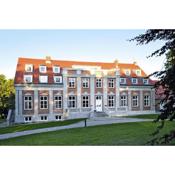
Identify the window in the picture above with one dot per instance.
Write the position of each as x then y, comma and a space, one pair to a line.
127, 72
28, 119
72, 101
98, 82
146, 100
123, 100
138, 72
58, 102
43, 69
123, 80
85, 101
58, 79
28, 78
71, 82
85, 82
56, 69
135, 100
145, 81
43, 79
44, 118
28, 103
134, 80
111, 83
58, 117
43, 102
111, 99
29, 68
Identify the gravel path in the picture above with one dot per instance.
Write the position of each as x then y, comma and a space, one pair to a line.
90, 122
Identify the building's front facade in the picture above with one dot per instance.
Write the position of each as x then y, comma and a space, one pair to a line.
50, 90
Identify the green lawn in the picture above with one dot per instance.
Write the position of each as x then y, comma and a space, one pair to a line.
24, 127
145, 116
115, 134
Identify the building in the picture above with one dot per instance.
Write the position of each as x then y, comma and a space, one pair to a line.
49, 90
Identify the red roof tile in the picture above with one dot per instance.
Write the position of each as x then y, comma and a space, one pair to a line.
20, 70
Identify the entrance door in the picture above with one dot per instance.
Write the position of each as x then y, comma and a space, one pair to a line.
98, 103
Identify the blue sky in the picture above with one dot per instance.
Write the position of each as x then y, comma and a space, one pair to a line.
84, 45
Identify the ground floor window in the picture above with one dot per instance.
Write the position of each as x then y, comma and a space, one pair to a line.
123, 100
111, 99
58, 102
146, 100
85, 101
28, 102
58, 117
44, 118
28, 119
135, 100
72, 101
43, 102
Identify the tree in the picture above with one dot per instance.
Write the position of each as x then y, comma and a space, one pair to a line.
7, 95
166, 77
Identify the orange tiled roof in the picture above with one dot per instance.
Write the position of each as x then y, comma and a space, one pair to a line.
20, 70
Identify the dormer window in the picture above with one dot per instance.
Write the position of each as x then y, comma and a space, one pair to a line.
145, 81
43, 79
127, 72
43, 69
138, 72
56, 69
58, 79
29, 68
123, 80
28, 78
134, 81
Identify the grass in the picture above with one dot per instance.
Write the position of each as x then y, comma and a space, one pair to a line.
137, 133
145, 116
24, 127
2, 120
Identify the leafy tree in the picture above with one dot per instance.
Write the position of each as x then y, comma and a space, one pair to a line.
166, 78
7, 95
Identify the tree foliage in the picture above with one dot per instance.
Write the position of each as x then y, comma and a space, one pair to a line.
7, 95
166, 78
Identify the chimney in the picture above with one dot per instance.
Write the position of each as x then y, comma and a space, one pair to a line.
135, 62
116, 63
48, 59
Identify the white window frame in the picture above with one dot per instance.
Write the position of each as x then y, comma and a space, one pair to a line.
124, 82
85, 101
85, 82
44, 118
56, 69
123, 100
71, 82
28, 76
138, 72
42, 106
135, 101
111, 101
147, 100
41, 67
27, 119
58, 117
129, 72
41, 78
133, 81
111, 82
98, 82
145, 81
70, 101
29, 66
28, 102
58, 77
58, 101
